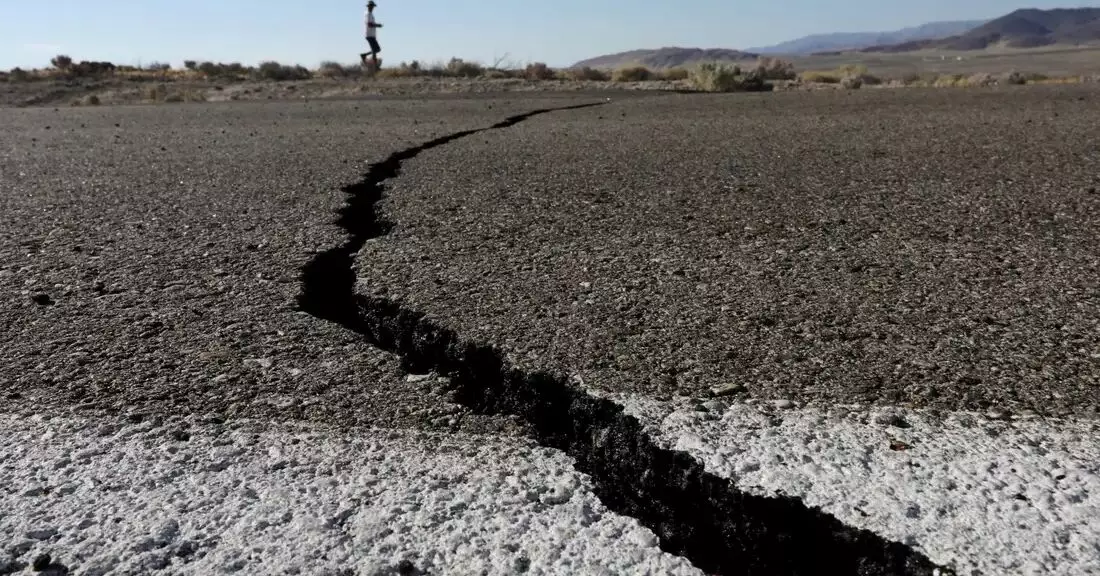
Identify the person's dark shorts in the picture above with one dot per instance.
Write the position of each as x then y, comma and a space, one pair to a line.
374, 47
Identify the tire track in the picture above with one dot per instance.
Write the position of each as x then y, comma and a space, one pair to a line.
696, 514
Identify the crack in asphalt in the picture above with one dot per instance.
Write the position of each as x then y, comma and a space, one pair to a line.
696, 514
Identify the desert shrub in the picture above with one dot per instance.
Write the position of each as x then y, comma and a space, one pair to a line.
675, 74
1015, 78
819, 77
331, 69
18, 75
714, 77
754, 81
463, 69
538, 71
981, 80
61, 62
632, 74
590, 74
190, 65
89, 100
271, 70
855, 76
158, 67
775, 69
498, 74
220, 70
949, 80
911, 78
209, 69
88, 69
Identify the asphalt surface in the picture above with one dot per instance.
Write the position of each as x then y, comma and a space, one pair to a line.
150, 258
929, 248
919, 247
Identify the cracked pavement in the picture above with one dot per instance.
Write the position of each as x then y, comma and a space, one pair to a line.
151, 256
814, 247
915, 247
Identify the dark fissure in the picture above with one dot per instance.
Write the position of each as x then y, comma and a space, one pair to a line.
697, 515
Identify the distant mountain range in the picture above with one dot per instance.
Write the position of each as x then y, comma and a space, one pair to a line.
842, 41
667, 57
1026, 28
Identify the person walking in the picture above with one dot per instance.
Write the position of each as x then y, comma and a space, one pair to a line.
372, 36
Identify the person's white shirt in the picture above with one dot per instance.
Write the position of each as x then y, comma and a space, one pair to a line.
372, 32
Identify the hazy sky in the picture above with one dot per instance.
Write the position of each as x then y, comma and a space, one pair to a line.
556, 32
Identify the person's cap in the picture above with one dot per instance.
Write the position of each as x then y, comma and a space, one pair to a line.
371, 3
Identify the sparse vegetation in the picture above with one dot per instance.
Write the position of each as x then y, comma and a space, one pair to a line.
18, 75
196, 80
632, 74
851, 77
463, 69
539, 71
775, 69
282, 72
61, 62
724, 77
589, 74
334, 70
714, 77
819, 77
675, 74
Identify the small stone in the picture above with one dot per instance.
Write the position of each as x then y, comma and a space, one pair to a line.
42, 299
413, 378
715, 406
784, 404
41, 562
41, 534
406, 568
180, 436
728, 390
997, 414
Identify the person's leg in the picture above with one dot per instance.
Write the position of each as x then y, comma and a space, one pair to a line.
375, 48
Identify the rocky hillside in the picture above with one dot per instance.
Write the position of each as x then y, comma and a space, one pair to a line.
1026, 28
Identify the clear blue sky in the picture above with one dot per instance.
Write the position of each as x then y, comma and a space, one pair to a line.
558, 32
